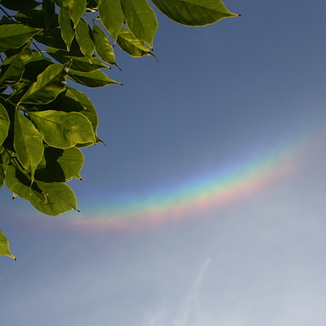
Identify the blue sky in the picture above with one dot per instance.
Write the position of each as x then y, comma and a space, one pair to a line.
219, 97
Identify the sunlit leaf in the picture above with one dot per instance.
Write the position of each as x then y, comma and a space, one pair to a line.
28, 143
130, 44
95, 78
62, 129
2, 171
194, 12
59, 198
4, 246
103, 45
76, 9
51, 198
4, 123
89, 109
111, 15
15, 35
141, 19
67, 31
48, 85
84, 38
20, 184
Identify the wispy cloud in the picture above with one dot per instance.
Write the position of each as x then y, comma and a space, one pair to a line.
189, 312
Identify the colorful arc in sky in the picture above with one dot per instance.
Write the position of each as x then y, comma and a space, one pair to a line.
189, 199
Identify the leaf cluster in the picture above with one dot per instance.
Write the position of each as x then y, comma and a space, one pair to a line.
44, 122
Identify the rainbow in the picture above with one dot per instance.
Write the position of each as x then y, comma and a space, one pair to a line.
189, 199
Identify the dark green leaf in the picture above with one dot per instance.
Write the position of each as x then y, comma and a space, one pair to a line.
36, 18
63, 165
63, 130
84, 38
52, 38
4, 246
67, 31
48, 85
141, 20
35, 66
14, 67
15, 35
79, 61
19, 5
91, 6
194, 12
28, 143
111, 15
103, 45
59, 3
95, 78
129, 43
49, 12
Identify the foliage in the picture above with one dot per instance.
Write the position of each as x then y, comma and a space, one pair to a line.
4, 246
44, 122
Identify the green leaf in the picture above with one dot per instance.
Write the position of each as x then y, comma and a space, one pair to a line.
95, 78
19, 5
4, 162
51, 198
60, 198
194, 12
76, 9
14, 67
4, 246
79, 61
141, 19
63, 130
84, 38
89, 109
59, 3
111, 15
72, 100
36, 18
52, 38
49, 12
19, 183
35, 66
28, 143
63, 165
91, 6
47, 86
103, 46
2, 171
15, 35
130, 44
65, 23
4, 124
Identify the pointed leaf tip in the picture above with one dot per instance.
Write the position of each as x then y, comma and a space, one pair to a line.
4, 246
